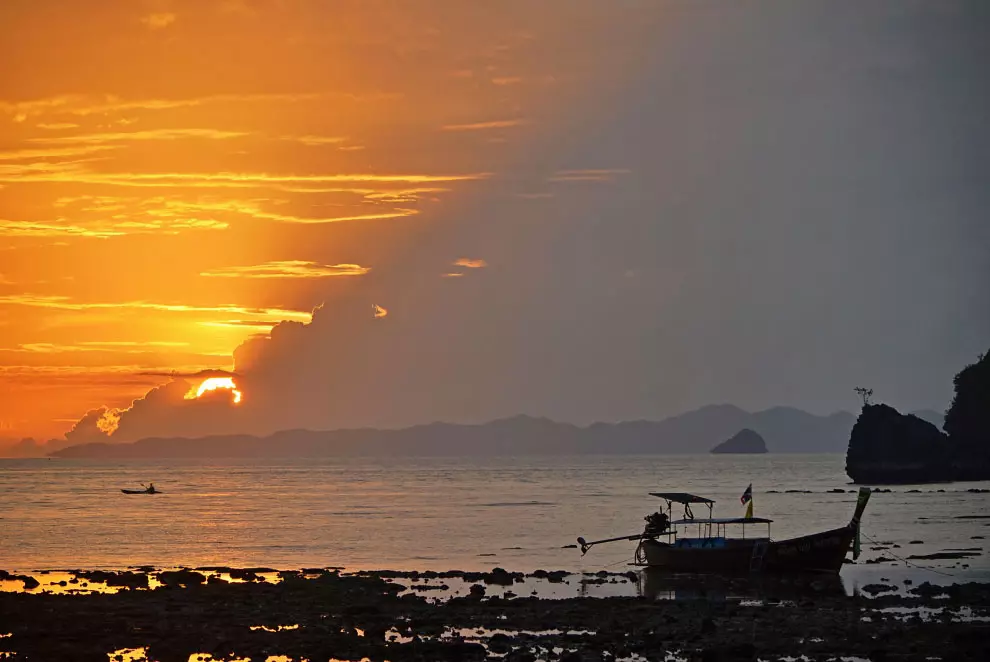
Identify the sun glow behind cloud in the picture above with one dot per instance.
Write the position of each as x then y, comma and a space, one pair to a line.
211, 384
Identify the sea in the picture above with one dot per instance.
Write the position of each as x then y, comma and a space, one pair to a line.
431, 513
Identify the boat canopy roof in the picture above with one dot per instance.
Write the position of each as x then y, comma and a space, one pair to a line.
681, 497
725, 520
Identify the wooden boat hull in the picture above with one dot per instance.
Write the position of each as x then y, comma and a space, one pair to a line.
818, 552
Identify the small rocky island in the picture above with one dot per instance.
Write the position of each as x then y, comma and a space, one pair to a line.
744, 441
888, 447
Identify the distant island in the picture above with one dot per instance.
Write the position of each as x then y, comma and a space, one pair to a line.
744, 441
786, 430
888, 447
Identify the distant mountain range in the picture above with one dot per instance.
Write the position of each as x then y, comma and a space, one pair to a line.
786, 430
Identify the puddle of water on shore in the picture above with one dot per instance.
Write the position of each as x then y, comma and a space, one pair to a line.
69, 583
960, 614
274, 628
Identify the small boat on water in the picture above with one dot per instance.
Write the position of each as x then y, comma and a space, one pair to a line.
150, 489
702, 545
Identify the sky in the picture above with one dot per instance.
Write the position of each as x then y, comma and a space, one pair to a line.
375, 213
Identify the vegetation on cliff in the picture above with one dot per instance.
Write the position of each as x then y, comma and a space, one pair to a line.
967, 422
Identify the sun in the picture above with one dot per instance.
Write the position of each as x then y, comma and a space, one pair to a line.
212, 384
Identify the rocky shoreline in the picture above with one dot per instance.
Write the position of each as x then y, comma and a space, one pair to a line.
321, 614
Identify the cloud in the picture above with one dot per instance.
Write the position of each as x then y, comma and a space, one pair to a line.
53, 229
606, 175
51, 152
103, 229
453, 274
164, 410
470, 263
287, 218
267, 386
117, 346
159, 21
313, 141
84, 105
168, 208
151, 134
484, 126
506, 80
402, 195
288, 269
57, 126
71, 172
65, 303
261, 327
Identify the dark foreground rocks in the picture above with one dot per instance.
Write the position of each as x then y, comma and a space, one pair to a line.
333, 616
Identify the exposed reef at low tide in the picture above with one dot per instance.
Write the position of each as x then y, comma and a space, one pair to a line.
321, 614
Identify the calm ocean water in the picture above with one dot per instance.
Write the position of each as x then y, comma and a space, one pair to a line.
438, 513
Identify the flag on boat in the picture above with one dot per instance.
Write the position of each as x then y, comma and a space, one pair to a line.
747, 495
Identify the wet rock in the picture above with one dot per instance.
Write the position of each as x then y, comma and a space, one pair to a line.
117, 579
874, 589
500, 643
244, 574
501, 577
879, 559
942, 556
181, 578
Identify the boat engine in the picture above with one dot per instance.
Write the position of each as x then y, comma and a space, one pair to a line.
656, 524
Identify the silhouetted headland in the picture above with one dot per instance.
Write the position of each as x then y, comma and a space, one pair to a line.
786, 430
744, 441
888, 447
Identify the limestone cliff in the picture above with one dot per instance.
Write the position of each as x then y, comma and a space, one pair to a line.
889, 447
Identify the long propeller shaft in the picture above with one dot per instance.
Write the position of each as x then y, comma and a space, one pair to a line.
586, 545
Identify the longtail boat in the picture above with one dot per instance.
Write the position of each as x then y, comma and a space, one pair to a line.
702, 545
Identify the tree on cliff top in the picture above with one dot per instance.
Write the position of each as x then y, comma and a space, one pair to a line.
967, 422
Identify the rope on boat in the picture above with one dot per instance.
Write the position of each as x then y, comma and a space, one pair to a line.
906, 562
629, 560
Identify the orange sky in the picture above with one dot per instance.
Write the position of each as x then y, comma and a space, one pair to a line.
177, 176
580, 209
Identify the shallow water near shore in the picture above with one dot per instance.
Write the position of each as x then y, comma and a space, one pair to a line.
447, 513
